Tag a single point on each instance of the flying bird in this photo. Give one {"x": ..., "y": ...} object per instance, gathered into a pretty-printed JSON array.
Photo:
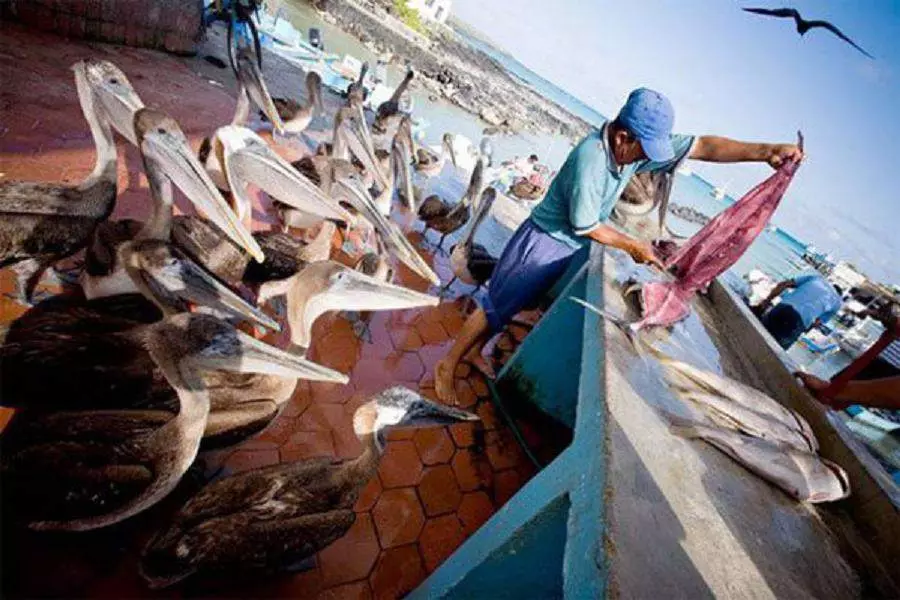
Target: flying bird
[{"x": 803, "y": 25}]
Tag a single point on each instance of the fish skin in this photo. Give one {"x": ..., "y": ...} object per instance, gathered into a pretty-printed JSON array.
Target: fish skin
[
  {"x": 802, "y": 475},
  {"x": 743, "y": 394},
  {"x": 733, "y": 415}
]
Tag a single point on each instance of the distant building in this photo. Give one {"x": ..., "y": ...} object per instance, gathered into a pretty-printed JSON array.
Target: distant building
[
  {"x": 432, "y": 10},
  {"x": 846, "y": 276}
]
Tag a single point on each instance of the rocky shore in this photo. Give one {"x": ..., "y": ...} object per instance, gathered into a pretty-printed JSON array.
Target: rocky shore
[{"x": 448, "y": 67}]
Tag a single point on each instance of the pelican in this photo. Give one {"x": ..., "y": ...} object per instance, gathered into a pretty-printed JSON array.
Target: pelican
[
  {"x": 243, "y": 405},
  {"x": 42, "y": 223},
  {"x": 431, "y": 163},
  {"x": 469, "y": 261},
  {"x": 389, "y": 110},
  {"x": 357, "y": 88},
  {"x": 252, "y": 87},
  {"x": 83, "y": 470},
  {"x": 445, "y": 218},
  {"x": 374, "y": 265},
  {"x": 297, "y": 116},
  {"x": 275, "y": 517},
  {"x": 167, "y": 157},
  {"x": 328, "y": 286},
  {"x": 247, "y": 160}
]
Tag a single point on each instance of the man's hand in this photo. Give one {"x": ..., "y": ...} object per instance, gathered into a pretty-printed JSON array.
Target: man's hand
[
  {"x": 779, "y": 153},
  {"x": 643, "y": 252}
]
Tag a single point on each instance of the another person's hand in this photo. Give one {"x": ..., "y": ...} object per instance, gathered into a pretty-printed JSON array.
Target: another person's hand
[
  {"x": 811, "y": 382},
  {"x": 779, "y": 153},
  {"x": 643, "y": 252}
]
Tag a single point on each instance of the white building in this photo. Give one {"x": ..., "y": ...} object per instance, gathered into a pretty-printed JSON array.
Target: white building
[
  {"x": 846, "y": 276},
  {"x": 432, "y": 10}
]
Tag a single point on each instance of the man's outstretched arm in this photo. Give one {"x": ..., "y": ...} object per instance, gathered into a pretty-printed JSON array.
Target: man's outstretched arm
[{"x": 711, "y": 148}]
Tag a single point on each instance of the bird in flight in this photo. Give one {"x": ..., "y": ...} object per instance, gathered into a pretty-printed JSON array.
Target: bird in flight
[{"x": 803, "y": 25}]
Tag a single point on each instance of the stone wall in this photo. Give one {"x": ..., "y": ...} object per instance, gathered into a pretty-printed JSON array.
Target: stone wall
[{"x": 172, "y": 25}]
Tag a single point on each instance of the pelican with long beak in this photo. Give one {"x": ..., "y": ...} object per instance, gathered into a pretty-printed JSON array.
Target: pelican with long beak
[
  {"x": 431, "y": 162},
  {"x": 248, "y": 160},
  {"x": 389, "y": 110},
  {"x": 471, "y": 263},
  {"x": 83, "y": 470},
  {"x": 446, "y": 218},
  {"x": 272, "y": 518},
  {"x": 350, "y": 187},
  {"x": 168, "y": 158},
  {"x": 329, "y": 286},
  {"x": 42, "y": 223},
  {"x": 252, "y": 88},
  {"x": 297, "y": 116}
]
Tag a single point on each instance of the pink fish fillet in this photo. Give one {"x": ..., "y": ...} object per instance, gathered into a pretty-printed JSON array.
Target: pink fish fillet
[{"x": 713, "y": 249}]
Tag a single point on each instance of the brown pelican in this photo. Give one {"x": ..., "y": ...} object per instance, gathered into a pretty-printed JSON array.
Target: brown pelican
[
  {"x": 42, "y": 223},
  {"x": 247, "y": 160},
  {"x": 445, "y": 218},
  {"x": 357, "y": 88},
  {"x": 328, "y": 286},
  {"x": 252, "y": 87},
  {"x": 374, "y": 265},
  {"x": 471, "y": 262},
  {"x": 82, "y": 470},
  {"x": 167, "y": 158},
  {"x": 272, "y": 518},
  {"x": 297, "y": 116},
  {"x": 431, "y": 163},
  {"x": 389, "y": 110}
]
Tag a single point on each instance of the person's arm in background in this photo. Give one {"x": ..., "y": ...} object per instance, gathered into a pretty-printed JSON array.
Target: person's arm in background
[
  {"x": 877, "y": 393},
  {"x": 711, "y": 148},
  {"x": 777, "y": 291}
]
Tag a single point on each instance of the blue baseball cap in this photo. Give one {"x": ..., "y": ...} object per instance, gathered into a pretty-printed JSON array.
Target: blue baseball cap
[{"x": 649, "y": 116}]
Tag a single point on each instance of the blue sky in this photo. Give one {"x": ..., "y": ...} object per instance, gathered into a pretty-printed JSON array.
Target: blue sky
[{"x": 745, "y": 76}]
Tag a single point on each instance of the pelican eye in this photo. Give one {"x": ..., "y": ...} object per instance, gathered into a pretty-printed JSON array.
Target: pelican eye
[
  {"x": 114, "y": 81},
  {"x": 161, "y": 131}
]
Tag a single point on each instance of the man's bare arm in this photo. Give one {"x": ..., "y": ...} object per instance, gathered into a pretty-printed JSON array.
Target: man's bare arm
[
  {"x": 711, "y": 148},
  {"x": 639, "y": 250}
]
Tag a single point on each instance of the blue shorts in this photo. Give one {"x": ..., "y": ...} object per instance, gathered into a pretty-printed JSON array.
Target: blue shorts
[{"x": 530, "y": 264}]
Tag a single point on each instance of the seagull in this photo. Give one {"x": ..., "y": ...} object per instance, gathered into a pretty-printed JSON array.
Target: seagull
[{"x": 803, "y": 25}]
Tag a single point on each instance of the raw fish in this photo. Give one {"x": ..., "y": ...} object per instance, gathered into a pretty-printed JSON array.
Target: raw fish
[{"x": 803, "y": 475}]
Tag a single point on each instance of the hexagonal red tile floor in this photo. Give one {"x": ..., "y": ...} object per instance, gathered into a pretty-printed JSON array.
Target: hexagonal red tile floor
[{"x": 434, "y": 488}]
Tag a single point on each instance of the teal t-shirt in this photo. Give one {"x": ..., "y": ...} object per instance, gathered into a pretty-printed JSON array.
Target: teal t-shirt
[
  {"x": 588, "y": 186},
  {"x": 813, "y": 298}
]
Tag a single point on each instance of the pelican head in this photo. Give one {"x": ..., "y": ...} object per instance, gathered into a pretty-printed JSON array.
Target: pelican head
[
  {"x": 167, "y": 153},
  {"x": 314, "y": 89},
  {"x": 252, "y": 81},
  {"x": 400, "y": 407},
  {"x": 447, "y": 146},
  {"x": 247, "y": 159},
  {"x": 113, "y": 93},
  {"x": 205, "y": 342},
  {"x": 351, "y": 128},
  {"x": 173, "y": 280},
  {"x": 327, "y": 286},
  {"x": 351, "y": 189}
]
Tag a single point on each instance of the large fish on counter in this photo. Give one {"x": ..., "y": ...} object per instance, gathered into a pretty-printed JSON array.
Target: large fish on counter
[{"x": 802, "y": 475}]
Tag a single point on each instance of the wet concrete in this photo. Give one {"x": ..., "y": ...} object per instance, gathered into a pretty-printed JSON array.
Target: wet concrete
[
  {"x": 434, "y": 488},
  {"x": 685, "y": 521}
]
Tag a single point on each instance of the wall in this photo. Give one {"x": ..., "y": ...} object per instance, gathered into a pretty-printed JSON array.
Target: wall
[
  {"x": 172, "y": 25},
  {"x": 432, "y": 10}
]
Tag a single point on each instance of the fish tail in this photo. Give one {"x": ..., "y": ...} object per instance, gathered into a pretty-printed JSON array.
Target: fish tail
[{"x": 624, "y": 326}]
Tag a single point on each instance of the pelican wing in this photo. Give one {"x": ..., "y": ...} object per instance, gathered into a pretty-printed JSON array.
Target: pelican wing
[
  {"x": 775, "y": 12},
  {"x": 31, "y": 198},
  {"x": 839, "y": 33}
]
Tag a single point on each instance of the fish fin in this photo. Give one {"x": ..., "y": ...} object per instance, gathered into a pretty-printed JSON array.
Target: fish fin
[{"x": 681, "y": 426}]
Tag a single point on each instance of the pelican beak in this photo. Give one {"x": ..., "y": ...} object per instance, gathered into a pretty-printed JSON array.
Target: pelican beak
[
  {"x": 392, "y": 237},
  {"x": 173, "y": 155},
  {"x": 250, "y": 77},
  {"x": 248, "y": 159},
  {"x": 422, "y": 412},
  {"x": 348, "y": 289},
  {"x": 402, "y": 158},
  {"x": 170, "y": 277},
  {"x": 113, "y": 94},
  {"x": 446, "y": 143},
  {"x": 359, "y": 141},
  {"x": 242, "y": 353}
]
